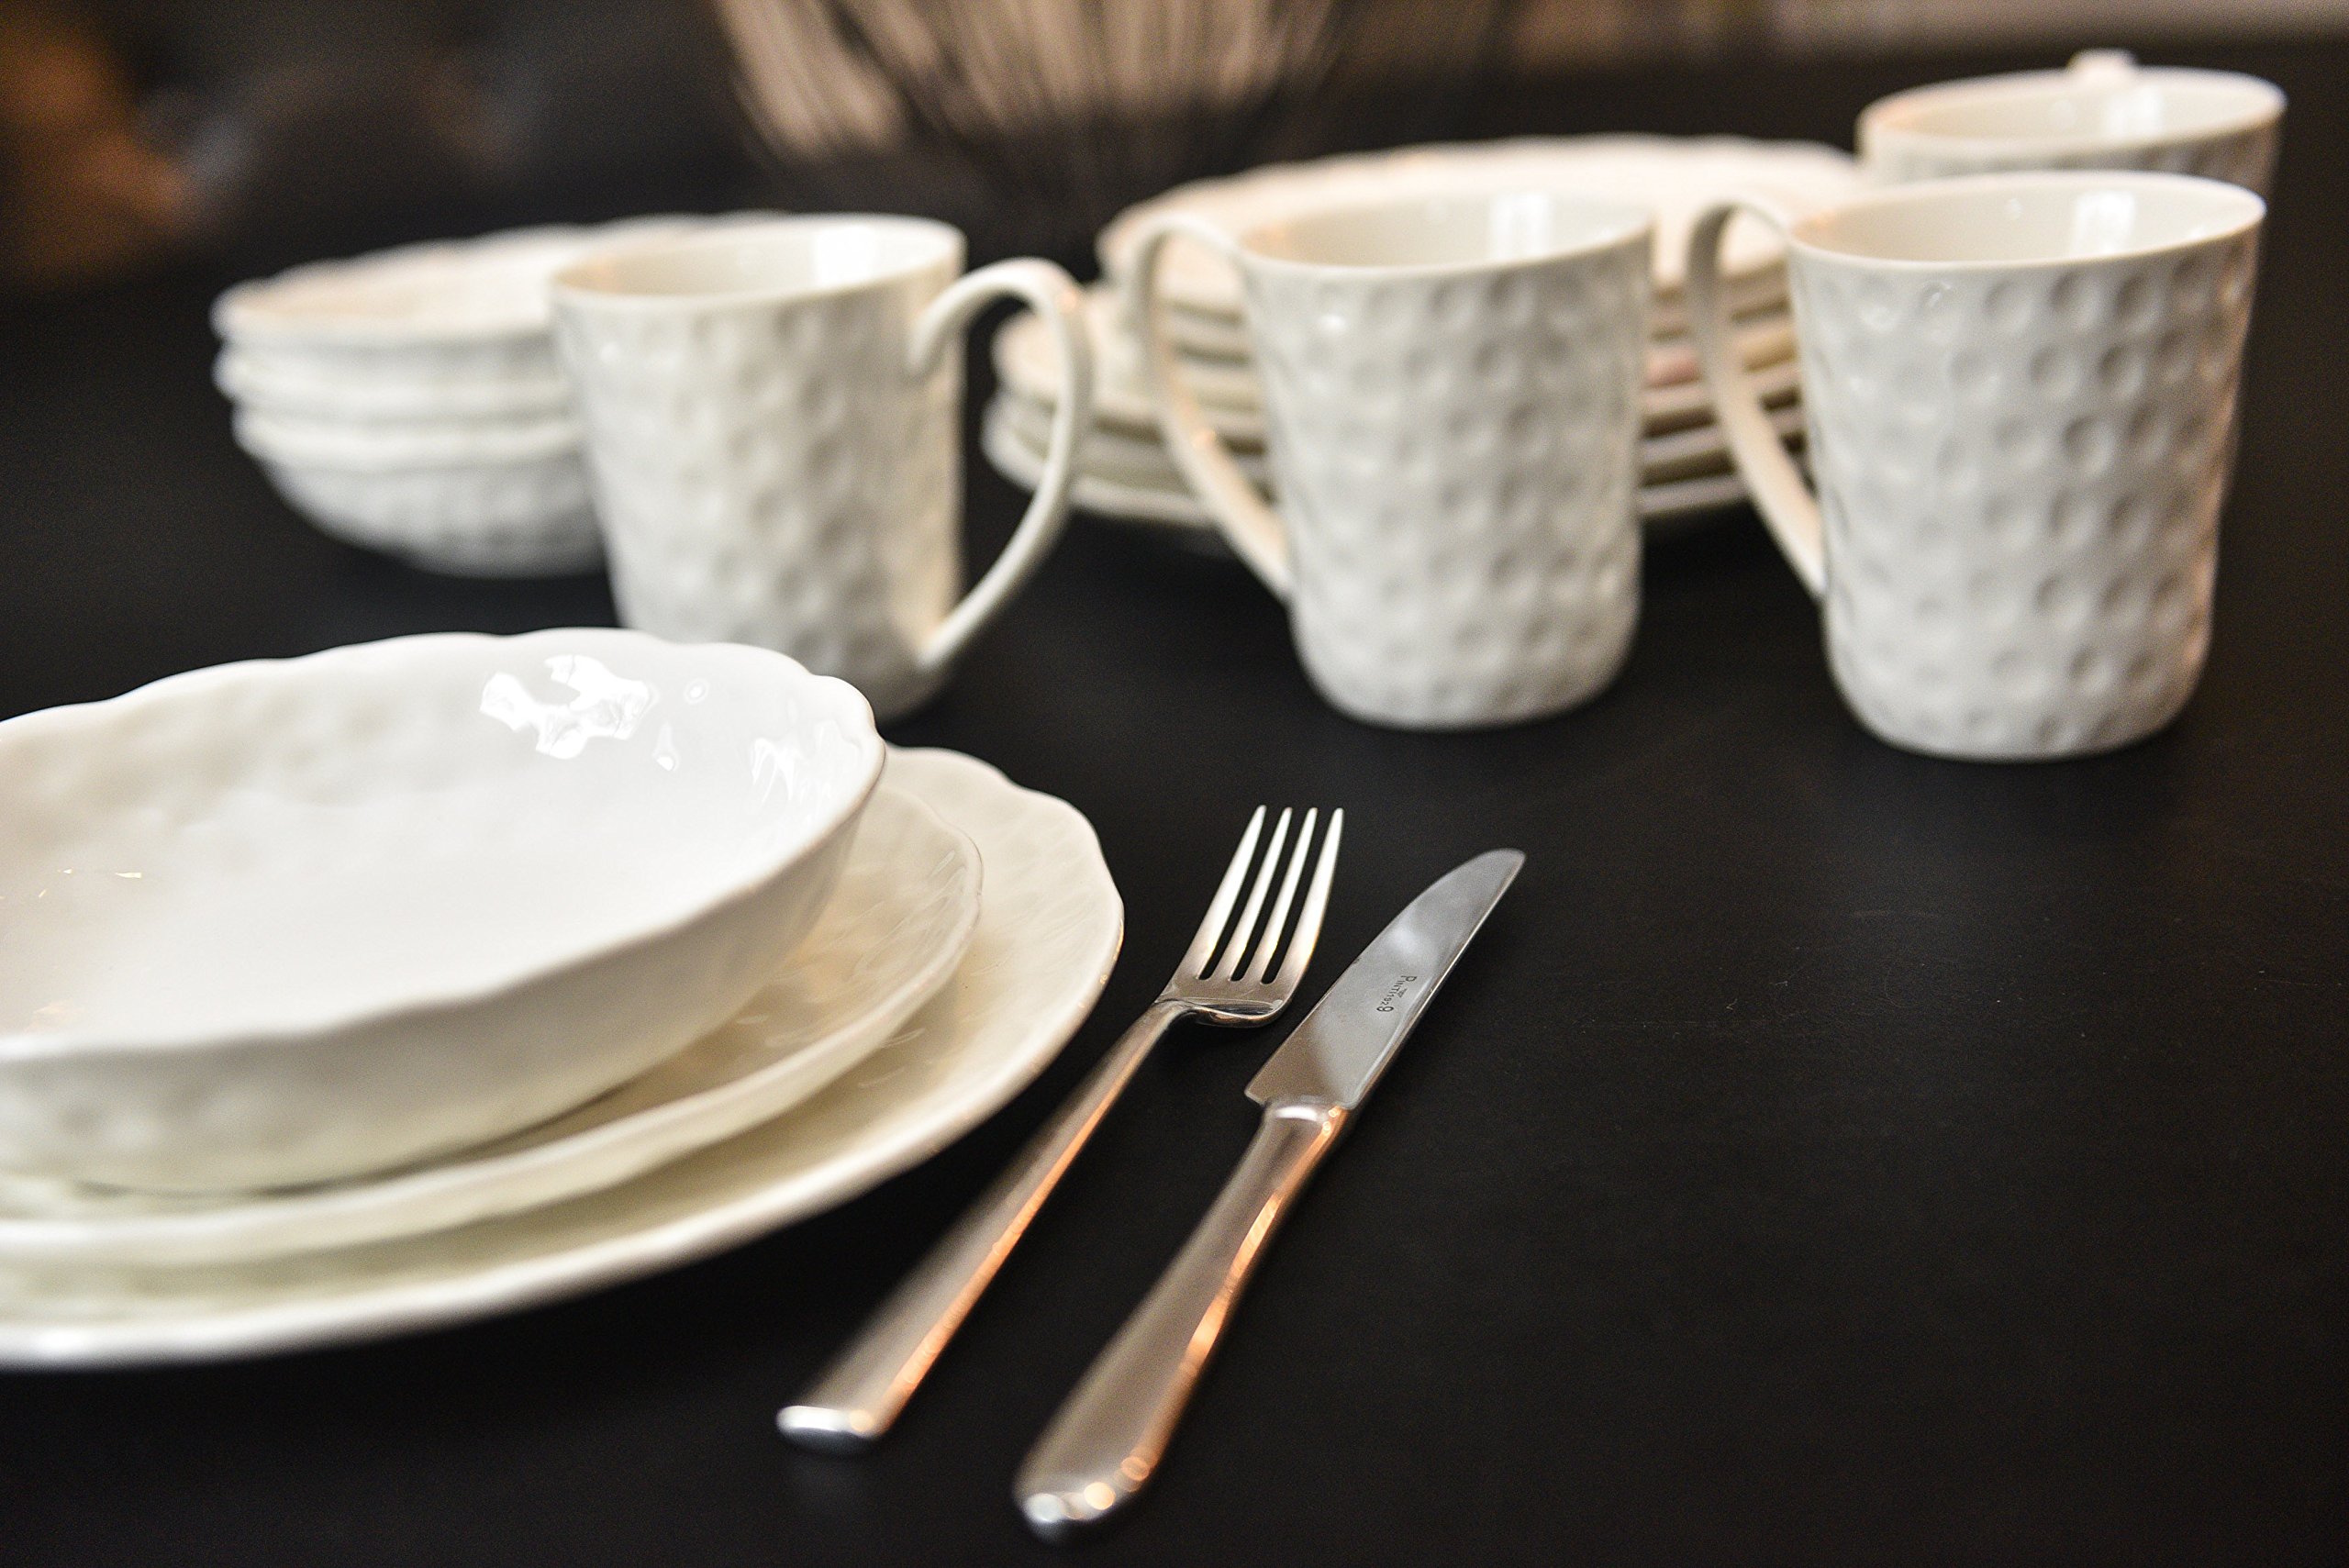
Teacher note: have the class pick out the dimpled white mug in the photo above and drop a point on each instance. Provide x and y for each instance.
(774, 433)
(1452, 396)
(2021, 397)
(2104, 111)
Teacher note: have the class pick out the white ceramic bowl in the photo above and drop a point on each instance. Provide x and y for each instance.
(423, 318)
(448, 312)
(529, 518)
(2104, 111)
(451, 291)
(280, 922)
(491, 498)
(268, 383)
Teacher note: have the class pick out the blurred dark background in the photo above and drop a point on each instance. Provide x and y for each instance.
(247, 134)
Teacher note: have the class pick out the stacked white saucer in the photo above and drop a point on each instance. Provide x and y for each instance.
(558, 994)
(410, 400)
(1126, 473)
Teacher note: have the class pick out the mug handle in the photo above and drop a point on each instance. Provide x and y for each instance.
(1256, 532)
(1780, 493)
(1054, 295)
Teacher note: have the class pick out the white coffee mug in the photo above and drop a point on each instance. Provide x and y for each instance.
(773, 414)
(2019, 391)
(1452, 396)
(2103, 112)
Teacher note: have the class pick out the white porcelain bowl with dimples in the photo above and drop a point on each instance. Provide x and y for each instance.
(482, 498)
(279, 922)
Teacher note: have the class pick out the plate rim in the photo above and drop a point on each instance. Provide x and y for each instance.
(1113, 243)
(566, 1273)
(454, 1184)
(1662, 505)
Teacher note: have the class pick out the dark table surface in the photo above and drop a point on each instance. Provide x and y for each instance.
(1826, 1154)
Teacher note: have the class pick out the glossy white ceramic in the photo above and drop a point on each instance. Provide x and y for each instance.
(1232, 399)
(2021, 397)
(484, 495)
(283, 922)
(1047, 935)
(1170, 509)
(1126, 459)
(1211, 343)
(391, 397)
(380, 448)
(256, 380)
(1452, 391)
(479, 290)
(525, 517)
(480, 494)
(1676, 177)
(890, 936)
(773, 418)
(2104, 112)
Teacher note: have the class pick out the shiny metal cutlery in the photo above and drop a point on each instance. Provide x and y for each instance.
(1220, 981)
(1104, 1445)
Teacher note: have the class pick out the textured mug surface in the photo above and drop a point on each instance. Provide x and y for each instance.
(773, 431)
(2022, 393)
(1452, 400)
(2104, 112)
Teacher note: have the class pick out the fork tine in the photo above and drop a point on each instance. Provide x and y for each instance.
(1237, 952)
(1203, 946)
(1278, 921)
(1317, 899)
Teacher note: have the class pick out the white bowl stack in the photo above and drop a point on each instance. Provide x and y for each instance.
(1125, 473)
(411, 401)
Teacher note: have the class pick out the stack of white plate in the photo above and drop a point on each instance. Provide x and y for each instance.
(410, 401)
(305, 1075)
(1125, 472)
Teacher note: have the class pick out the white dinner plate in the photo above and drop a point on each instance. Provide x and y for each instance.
(1026, 363)
(1128, 458)
(890, 937)
(1676, 176)
(1048, 932)
(1209, 335)
(1664, 507)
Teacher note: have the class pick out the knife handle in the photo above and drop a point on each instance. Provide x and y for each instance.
(1106, 1442)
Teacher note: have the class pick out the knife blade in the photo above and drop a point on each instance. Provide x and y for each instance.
(1107, 1440)
(1343, 1045)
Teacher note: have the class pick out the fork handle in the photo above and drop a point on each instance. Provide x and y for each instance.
(1105, 1443)
(859, 1397)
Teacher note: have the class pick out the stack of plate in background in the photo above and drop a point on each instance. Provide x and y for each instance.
(1125, 472)
(410, 401)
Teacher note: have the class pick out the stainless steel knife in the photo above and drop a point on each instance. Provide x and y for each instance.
(1106, 1442)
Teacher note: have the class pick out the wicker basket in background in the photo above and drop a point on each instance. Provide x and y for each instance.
(1030, 122)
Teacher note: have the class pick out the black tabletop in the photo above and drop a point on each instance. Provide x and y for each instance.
(1826, 1153)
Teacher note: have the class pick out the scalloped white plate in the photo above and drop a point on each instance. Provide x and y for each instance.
(1691, 452)
(1665, 506)
(1048, 932)
(1025, 362)
(1677, 176)
(1204, 335)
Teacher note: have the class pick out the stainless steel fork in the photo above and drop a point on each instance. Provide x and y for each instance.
(1220, 981)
